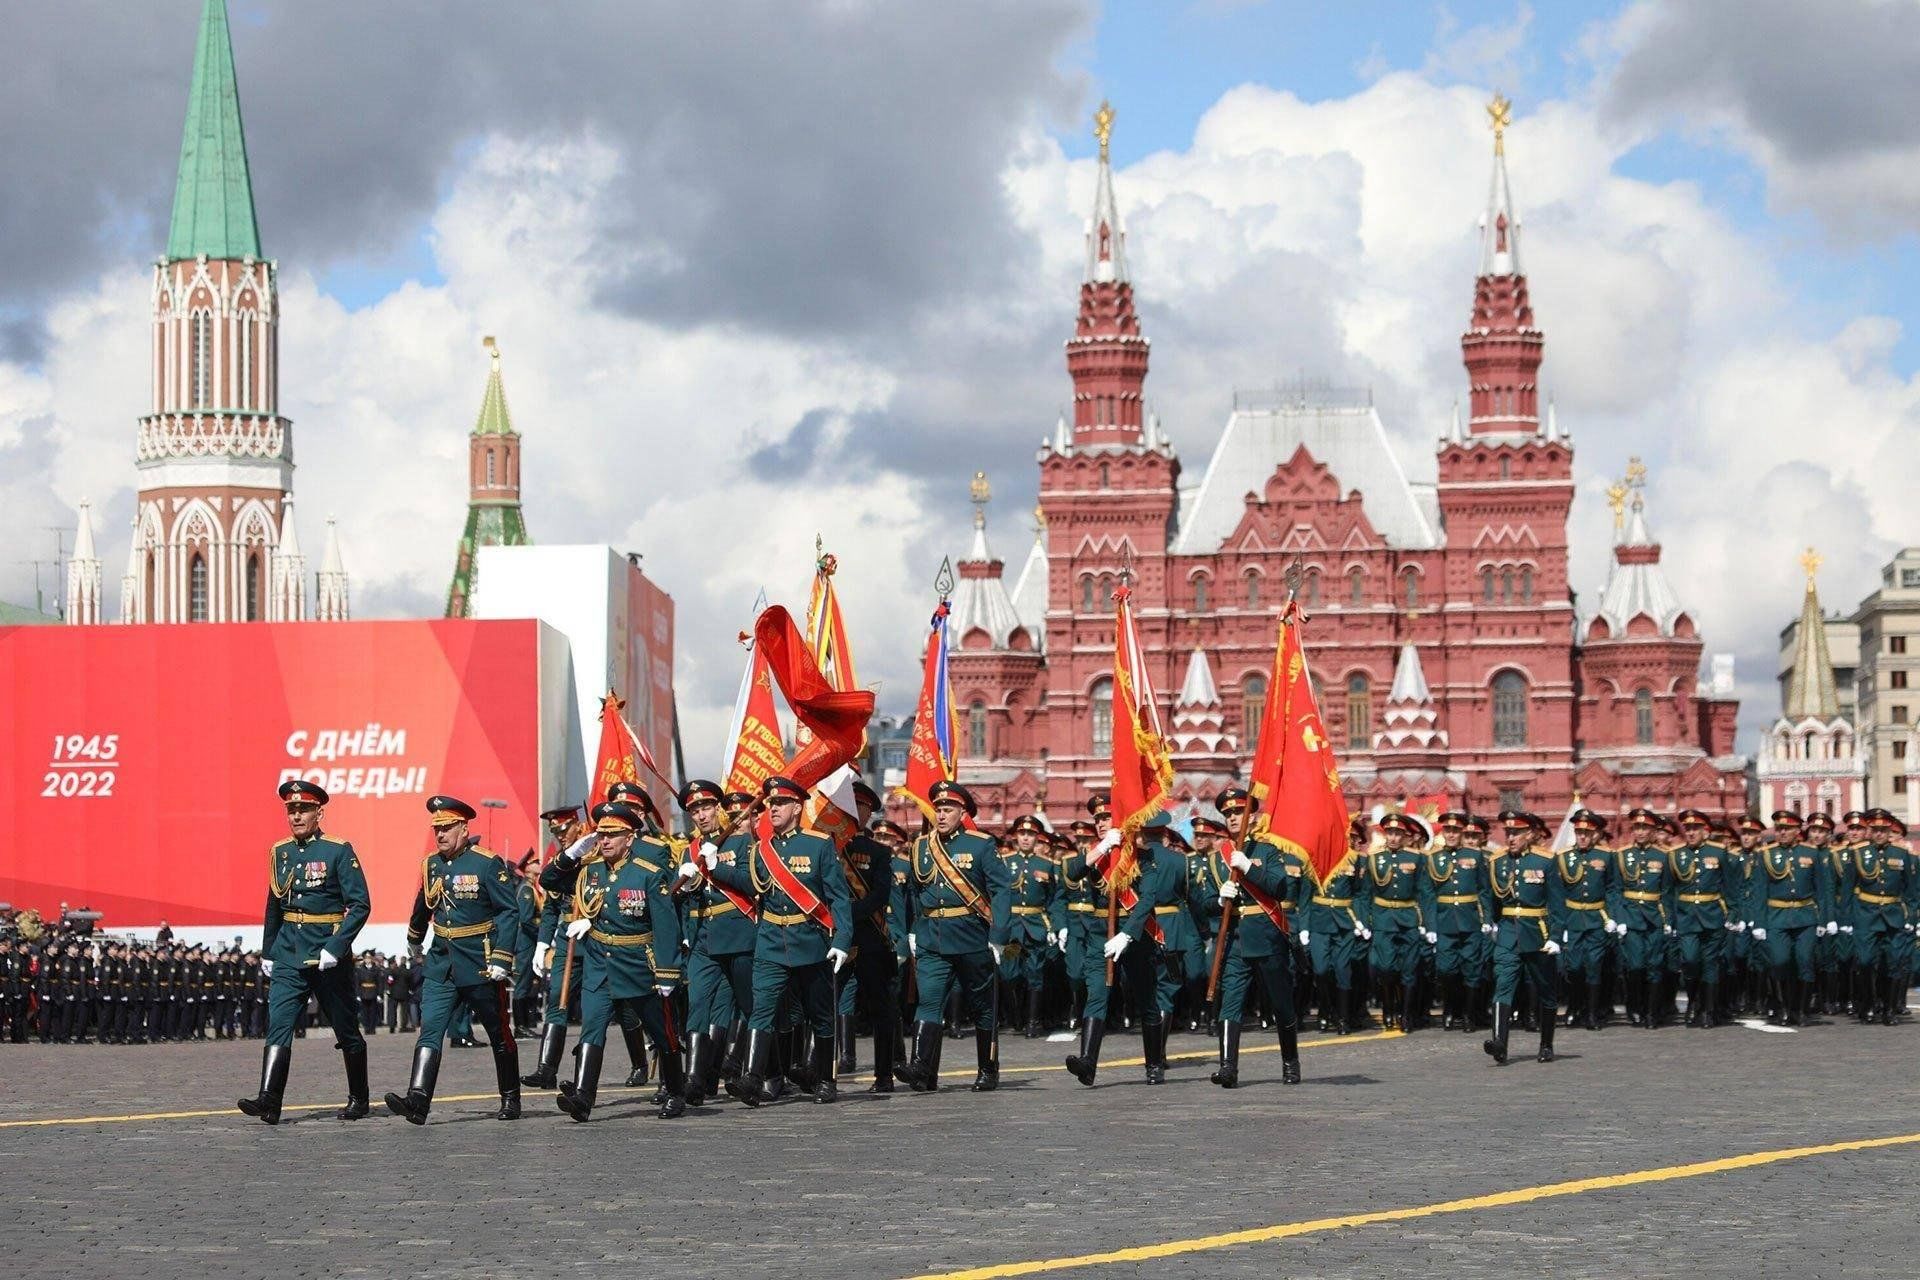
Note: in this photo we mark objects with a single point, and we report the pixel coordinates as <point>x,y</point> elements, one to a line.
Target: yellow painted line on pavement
<point>1470,1204</point>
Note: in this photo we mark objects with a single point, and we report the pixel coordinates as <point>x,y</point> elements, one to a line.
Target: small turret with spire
<point>83,573</point>
<point>494,518</point>
<point>331,595</point>
<point>1107,355</point>
<point>1501,346</point>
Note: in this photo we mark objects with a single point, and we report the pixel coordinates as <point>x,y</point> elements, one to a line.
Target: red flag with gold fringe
<point>1295,775</point>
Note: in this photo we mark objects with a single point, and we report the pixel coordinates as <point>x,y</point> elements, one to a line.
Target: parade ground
<point>1732,1152</point>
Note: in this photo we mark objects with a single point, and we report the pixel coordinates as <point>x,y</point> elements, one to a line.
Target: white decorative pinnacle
<point>287,596</point>
<point>332,583</point>
<point>83,573</point>
<point>1411,722</point>
<point>1199,717</point>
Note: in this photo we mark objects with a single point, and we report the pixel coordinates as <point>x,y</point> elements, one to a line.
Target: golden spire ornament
<point>1103,128</point>
<point>1811,560</point>
<point>981,493</point>
<point>1500,116</point>
<point>1617,501</point>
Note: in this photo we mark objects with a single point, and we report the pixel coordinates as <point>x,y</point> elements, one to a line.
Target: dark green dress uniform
<point>1532,899</point>
<point>1156,882</point>
<point>526,936</point>
<point>317,902</point>
<point>1644,904</point>
<point>790,950</point>
<point>952,943</point>
<point>1462,910</point>
<point>1259,948</point>
<point>1588,880</point>
<point>1398,892</point>
<point>1886,901</point>
<point>1182,947</point>
<point>1333,932</point>
<point>871,978</point>
<point>628,928</point>
<point>1701,913</point>
<point>1790,897</point>
<point>1034,891</point>
<point>469,900</point>
<point>1084,918</point>
<point>719,973</point>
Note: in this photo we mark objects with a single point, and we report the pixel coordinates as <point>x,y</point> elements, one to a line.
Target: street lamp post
<point>490,806</point>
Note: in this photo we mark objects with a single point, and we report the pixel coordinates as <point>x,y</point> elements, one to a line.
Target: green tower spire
<point>494,518</point>
<point>213,199</point>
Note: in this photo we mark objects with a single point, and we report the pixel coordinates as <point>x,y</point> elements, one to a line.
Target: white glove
<point>1431,937</point>
<point>1566,935</point>
<point>1667,929</point>
<point>1487,928</point>
<point>1366,934</point>
<point>709,854</point>
<point>327,959</point>
<point>1060,939</point>
<point>689,873</point>
<point>496,974</point>
<point>997,951</point>
<point>541,951</point>
<point>1759,934</point>
<point>666,993</point>
<point>1909,929</point>
<point>266,968</point>
<point>1847,929</point>
<point>579,928</point>
<point>1108,843</point>
<point>1239,861</point>
<point>1115,945</point>
<point>1306,938</point>
<point>1619,927</point>
<point>836,957</point>
<point>913,945</point>
<point>1229,891</point>
<point>1551,947</point>
<point>1832,928</point>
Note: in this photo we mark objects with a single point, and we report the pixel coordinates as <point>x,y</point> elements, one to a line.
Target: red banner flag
<point>616,761</point>
<point>756,753</point>
<point>1294,772</point>
<point>930,752</point>
<point>1142,772</point>
<point>836,718</point>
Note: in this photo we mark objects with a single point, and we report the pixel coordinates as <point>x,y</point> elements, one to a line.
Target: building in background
<point>494,518</point>
<point>1445,645</point>
<point>1811,760</point>
<point>1887,687</point>
<point>1843,649</point>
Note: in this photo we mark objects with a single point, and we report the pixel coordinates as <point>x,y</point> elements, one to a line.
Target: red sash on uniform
<point>1275,912</point>
<point>857,886</point>
<point>803,897</point>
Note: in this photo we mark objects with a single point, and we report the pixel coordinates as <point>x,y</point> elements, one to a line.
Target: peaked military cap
<point>1819,822</point>
<point>636,795</point>
<point>1081,827</point>
<point>701,791</point>
<point>1644,816</point>
<point>1785,818</point>
<point>444,811</point>
<point>1588,820</point>
<point>778,787</point>
<point>1213,825</point>
<point>615,816</point>
<point>1477,824</point>
<point>1405,823</point>
<point>1235,800</point>
<point>1027,822</point>
<point>889,826</point>
<point>565,813</point>
<point>862,791</point>
<point>951,791</point>
<point>1694,818</point>
<point>740,799</point>
<point>1100,804</point>
<point>300,791</point>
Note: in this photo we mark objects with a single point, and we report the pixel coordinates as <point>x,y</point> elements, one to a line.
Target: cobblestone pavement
<point>1044,1168</point>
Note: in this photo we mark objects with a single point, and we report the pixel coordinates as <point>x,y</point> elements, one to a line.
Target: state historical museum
<point>1449,653</point>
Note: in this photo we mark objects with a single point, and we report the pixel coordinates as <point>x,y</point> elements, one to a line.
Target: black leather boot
<point>1290,1053</point>
<point>986,1054</point>
<point>820,1064</point>
<point>1330,1010</point>
<point>1549,1015</point>
<point>553,1044</point>
<point>506,1075</point>
<point>800,1060</point>
<point>700,1049</point>
<point>675,1079</point>
<point>358,1094</point>
<point>1086,1062</point>
<point>848,1061</point>
<point>1153,1043</point>
<point>750,1085</point>
<point>1496,1045</point>
<point>883,1047</point>
<point>917,1070</point>
<point>1410,1009</point>
<point>418,1100</point>
<point>636,1043</point>
<point>1228,1074</point>
<point>721,1038</point>
<point>1709,1004</point>
<point>274,1064</point>
<point>578,1101</point>
<point>733,1061</point>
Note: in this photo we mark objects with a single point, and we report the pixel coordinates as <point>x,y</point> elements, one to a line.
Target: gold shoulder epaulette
<point>653,867</point>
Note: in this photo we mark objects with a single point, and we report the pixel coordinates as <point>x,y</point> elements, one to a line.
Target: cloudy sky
<point>765,269</point>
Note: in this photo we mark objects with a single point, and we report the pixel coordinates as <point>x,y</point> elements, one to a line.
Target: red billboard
<point>138,764</point>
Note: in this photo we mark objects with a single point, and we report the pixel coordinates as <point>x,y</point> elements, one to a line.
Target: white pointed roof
<point>289,529</point>
<point>83,535</point>
<point>1198,689</point>
<point>980,599</point>
<point>1106,254</point>
<point>1199,725</point>
<point>1500,224</point>
<point>1030,590</point>
<point>1411,721</point>
<point>1409,678</point>
<point>330,561</point>
<point>1638,585</point>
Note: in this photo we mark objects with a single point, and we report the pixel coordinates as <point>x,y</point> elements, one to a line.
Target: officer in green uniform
<point>1207,870</point>
<point>899,927</point>
<point>1335,935</point>
<point>1531,894</point>
<point>467,895</point>
<point>556,912</point>
<point>1084,916</point>
<point>720,967</point>
<point>870,980</point>
<point>1644,910</point>
<point>1746,965</point>
<point>1157,881</point>
<point>316,903</point>
<point>1701,913</point>
<point>1034,886</point>
<point>1587,874</point>
<point>804,936</point>
<point>1790,901</point>
<point>626,923</point>
<point>526,937</point>
<point>1258,946</point>
<point>1832,951</point>
<point>1182,957</point>
<point>962,918</point>
<point>1462,921</point>
<point>1886,902</point>
<point>1399,895</point>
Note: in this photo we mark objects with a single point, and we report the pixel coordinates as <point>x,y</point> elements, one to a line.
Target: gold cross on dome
<point>1500,116</point>
<point>1103,128</point>
<point>1617,500</point>
<point>1811,560</point>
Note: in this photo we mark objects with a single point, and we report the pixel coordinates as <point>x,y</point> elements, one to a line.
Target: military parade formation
<point>740,960</point>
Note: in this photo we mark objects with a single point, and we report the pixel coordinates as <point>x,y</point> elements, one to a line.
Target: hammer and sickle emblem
<point>1310,739</point>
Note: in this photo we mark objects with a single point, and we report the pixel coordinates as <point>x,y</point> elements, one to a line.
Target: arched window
<point>1106,590</point>
<point>1200,594</point>
<point>1506,468</point>
<point>489,468</point>
<point>1359,712</point>
<point>1253,590</point>
<point>977,730</point>
<point>1526,584</point>
<point>1356,587</point>
<point>197,588</point>
<point>147,590</point>
<point>1486,585</point>
<point>1086,594</point>
<point>243,363</point>
<point>1253,709</point>
<point>1509,709</point>
<point>202,360</point>
<point>1313,589</point>
<point>1506,586</point>
<point>1410,589</point>
<point>1105,475</point>
<point>1643,717</point>
<point>253,586</point>
<point>1100,711</point>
